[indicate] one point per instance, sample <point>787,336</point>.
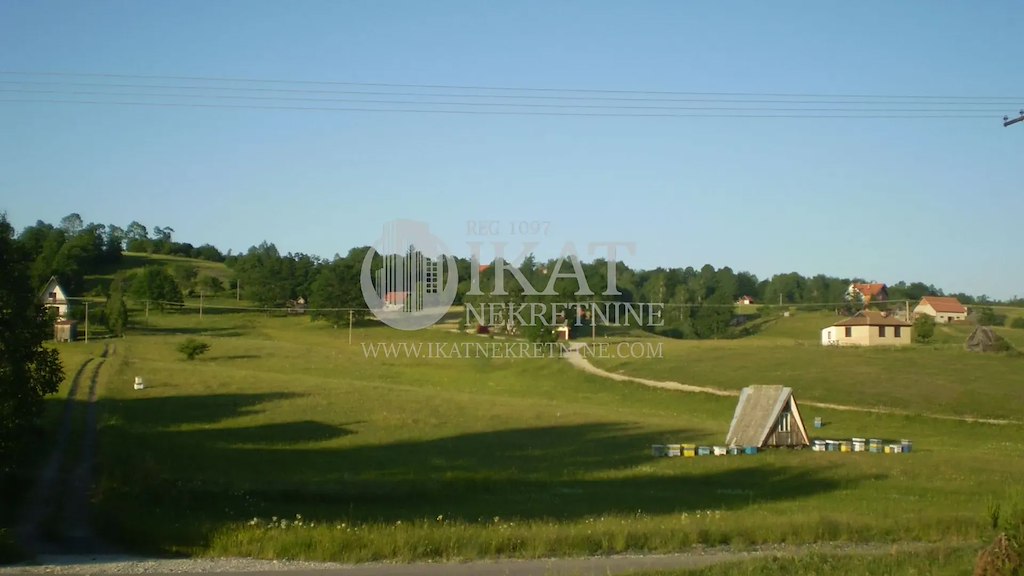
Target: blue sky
<point>938,199</point>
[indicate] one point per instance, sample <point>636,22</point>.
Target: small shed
<point>767,416</point>
<point>65,331</point>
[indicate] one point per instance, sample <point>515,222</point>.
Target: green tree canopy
<point>28,371</point>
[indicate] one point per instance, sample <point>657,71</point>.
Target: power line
<point>492,88</point>
<point>501,96</point>
<point>485,104</point>
<point>484,112</point>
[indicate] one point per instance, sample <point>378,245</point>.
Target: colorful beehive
<point>875,445</point>
<point>689,450</point>
<point>735,450</point>
<point>750,450</point>
<point>831,445</point>
<point>703,450</point>
<point>859,445</point>
<point>846,446</point>
<point>674,450</point>
<point>659,450</point>
<point>818,446</point>
<point>906,444</point>
<point>719,450</point>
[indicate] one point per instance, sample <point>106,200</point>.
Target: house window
<point>896,331</point>
<point>784,422</point>
<point>881,331</point>
<point>53,295</point>
<point>849,331</point>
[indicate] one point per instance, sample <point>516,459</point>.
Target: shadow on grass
<point>216,332</point>
<point>230,357</point>
<point>171,476</point>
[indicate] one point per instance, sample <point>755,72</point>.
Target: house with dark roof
<point>868,328</point>
<point>944,309</point>
<point>767,416</point>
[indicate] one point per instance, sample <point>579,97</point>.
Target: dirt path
<point>577,360</point>
<point>592,566</point>
<point>56,517</point>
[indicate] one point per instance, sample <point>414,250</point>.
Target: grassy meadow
<point>286,441</point>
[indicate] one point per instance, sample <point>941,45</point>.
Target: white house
<point>53,296</point>
<point>943,308</point>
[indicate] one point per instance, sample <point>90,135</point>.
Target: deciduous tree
<point>28,371</point>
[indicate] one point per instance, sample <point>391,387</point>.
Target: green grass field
<point>286,441</point>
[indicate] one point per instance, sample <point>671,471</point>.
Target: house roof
<point>871,318</point>
<point>946,304</point>
<point>758,411</point>
<point>52,285</point>
<point>395,297</point>
<point>870,290</point>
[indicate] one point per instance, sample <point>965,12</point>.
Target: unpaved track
<point>576,359</point>
<point>592,566</point>
<point>45,528</point>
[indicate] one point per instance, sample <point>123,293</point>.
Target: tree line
<point>699,301</point>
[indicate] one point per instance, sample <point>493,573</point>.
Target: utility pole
<point>1007,121</point>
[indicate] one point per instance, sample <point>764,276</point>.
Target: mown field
<point>286,441</point>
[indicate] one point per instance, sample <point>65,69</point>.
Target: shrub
<point>924,328</point>
<point>986,316</point>
<point>1017,323</point>
<point>191,348</point>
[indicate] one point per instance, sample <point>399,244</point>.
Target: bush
<point>193,348</point>
<point>1017,323</point>
<point>924,328</point>
<point>986,316</point>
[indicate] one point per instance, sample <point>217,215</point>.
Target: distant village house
<point>54,298</point>
<point>868,328</point>
<point>297,306</point>
<point>56,301</point>
<point>870,292</point>
<point>944,309</point>
<point>745,301</point>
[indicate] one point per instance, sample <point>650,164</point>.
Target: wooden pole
<point>147,313</point>
<point>350,314</point>
<point>86,321</point>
